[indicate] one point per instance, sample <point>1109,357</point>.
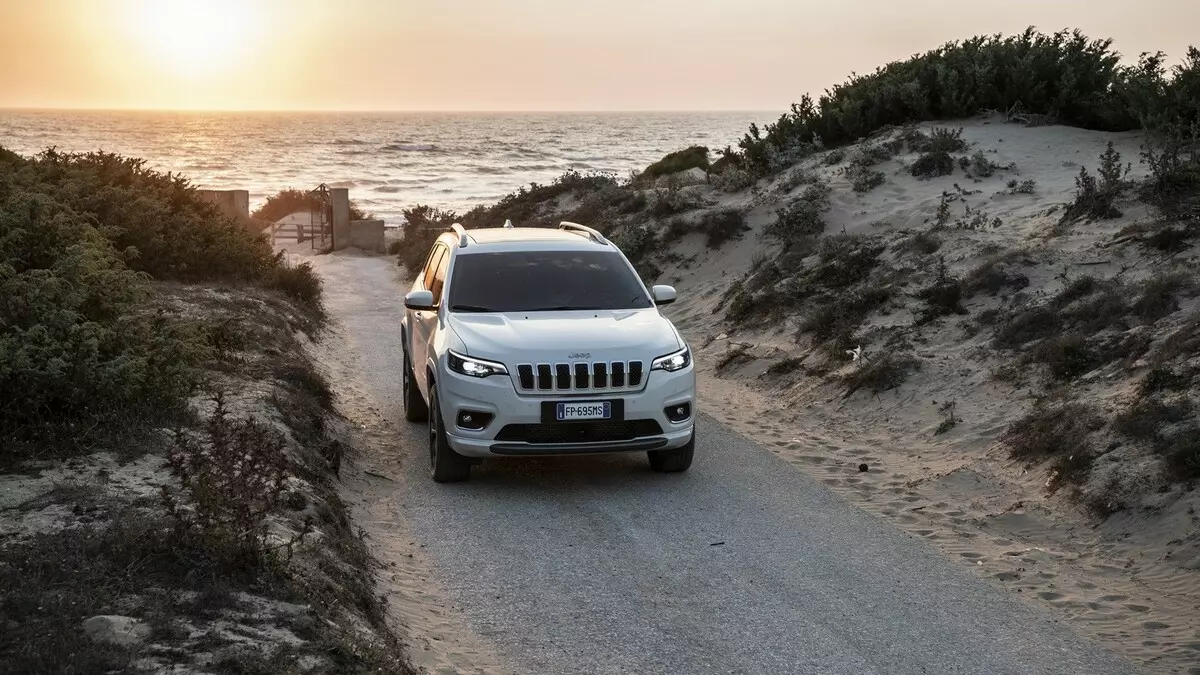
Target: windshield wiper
<point>470,308</point>
<point>566,308</point>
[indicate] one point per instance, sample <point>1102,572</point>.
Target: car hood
<point>556,337</point>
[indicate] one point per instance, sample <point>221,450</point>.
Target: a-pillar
<point>340,200</point>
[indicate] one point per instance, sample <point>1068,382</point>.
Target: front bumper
<point>497,397</point>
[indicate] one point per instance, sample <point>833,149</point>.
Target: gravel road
<point>742,565</point>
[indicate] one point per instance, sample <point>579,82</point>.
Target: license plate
<point>594,410</point>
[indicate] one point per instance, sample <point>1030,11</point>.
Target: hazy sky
<point>507,54</point>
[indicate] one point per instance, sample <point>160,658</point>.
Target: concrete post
<point>340,197</point>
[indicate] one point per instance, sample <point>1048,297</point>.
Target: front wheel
<point>673,461</point>
<point>445,465</point>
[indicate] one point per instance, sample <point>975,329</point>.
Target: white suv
<point>524,342</point>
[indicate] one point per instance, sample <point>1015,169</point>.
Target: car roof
<point>492,239</point>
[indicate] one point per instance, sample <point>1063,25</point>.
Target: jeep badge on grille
<point>580,355</point>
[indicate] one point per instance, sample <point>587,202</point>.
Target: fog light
<point>473,420</point>
<point>679,412</point>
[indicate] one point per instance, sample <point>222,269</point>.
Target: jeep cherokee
<point>523,342</point>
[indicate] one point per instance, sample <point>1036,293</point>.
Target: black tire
<point>673,461</point>
<point>445,465</point>
<point>415,409</point>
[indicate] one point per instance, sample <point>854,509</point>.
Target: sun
<point>194,38</point>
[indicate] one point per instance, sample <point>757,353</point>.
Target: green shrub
<point>866,180</point>
<point>524,207</point>
<point>157,222</point>
<point>940,139</point>
<point>300,283</point>
<point>722,225</point>
<point>80,336</point>
<point>422,226</point>
<point>1096,197</point>
<point>75,337</point>
<point>933,164</point>
<point>802,217</point>
<point>1024,187</point>
<point>682,160</point>
<point>979,166</point>
<point>1067,76</point>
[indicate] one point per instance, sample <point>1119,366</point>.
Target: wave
<point>347,141</point>
<point>388,189</point>
<point>410,147</point>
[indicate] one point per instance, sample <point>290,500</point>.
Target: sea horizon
<point>389,160</point>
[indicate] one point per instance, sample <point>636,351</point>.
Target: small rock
<point>114,629</point>
<point>863,468</point>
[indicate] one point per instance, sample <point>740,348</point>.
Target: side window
<point>439,277</point>
<point>435,257</point>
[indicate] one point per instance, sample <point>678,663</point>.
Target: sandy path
<point>597,565</point>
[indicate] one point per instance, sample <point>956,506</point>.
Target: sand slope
<point>1132,580</point>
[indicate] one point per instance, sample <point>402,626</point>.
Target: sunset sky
<point>506,54</point>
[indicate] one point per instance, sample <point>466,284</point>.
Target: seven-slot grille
<point>580,376</point>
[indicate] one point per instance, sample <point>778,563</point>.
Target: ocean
<point>389,161</point>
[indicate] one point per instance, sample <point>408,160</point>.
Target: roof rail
<point>583,229</point>
<point>508,225</point>
<point>462,234</point>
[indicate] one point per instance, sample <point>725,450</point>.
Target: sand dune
<point>1131,579</point>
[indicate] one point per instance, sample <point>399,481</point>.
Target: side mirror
<point>419,300</point>
<point>663,295</point>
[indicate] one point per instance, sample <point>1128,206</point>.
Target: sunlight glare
<point>194,38</point>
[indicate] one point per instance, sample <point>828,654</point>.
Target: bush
<point>230,481</point>
<point>524,206</point>
<point>80,336</point>
<point>301,283</point>
<point>940,139</point>
<point>682,160</point>
<point>722,225</point>
<point>1096,198</point>
<point>997,273</point>
<point>76,339</point>
<point>156,222</point>
<point>802,217</point>
<point>1066,76</point>
<point>922,242</point>
<point>286,202</point>
<point>1024,187</point>
<point>883,374</point>
<point>1054,431</point>
<point>866,180</point>
<point>422,226</point>
<point>933,164</point>
<point>979,166</point>
<point>733,179</point>
<point>942,298</point>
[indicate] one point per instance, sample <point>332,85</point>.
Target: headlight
<point>673,362</point>
<point>465,365</point>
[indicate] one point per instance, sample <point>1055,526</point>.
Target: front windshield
<point>544,281</point>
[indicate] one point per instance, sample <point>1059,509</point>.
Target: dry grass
<point>1059,433</point>
<point>880,374</point>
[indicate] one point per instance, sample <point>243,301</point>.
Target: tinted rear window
<point>532,281</point>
